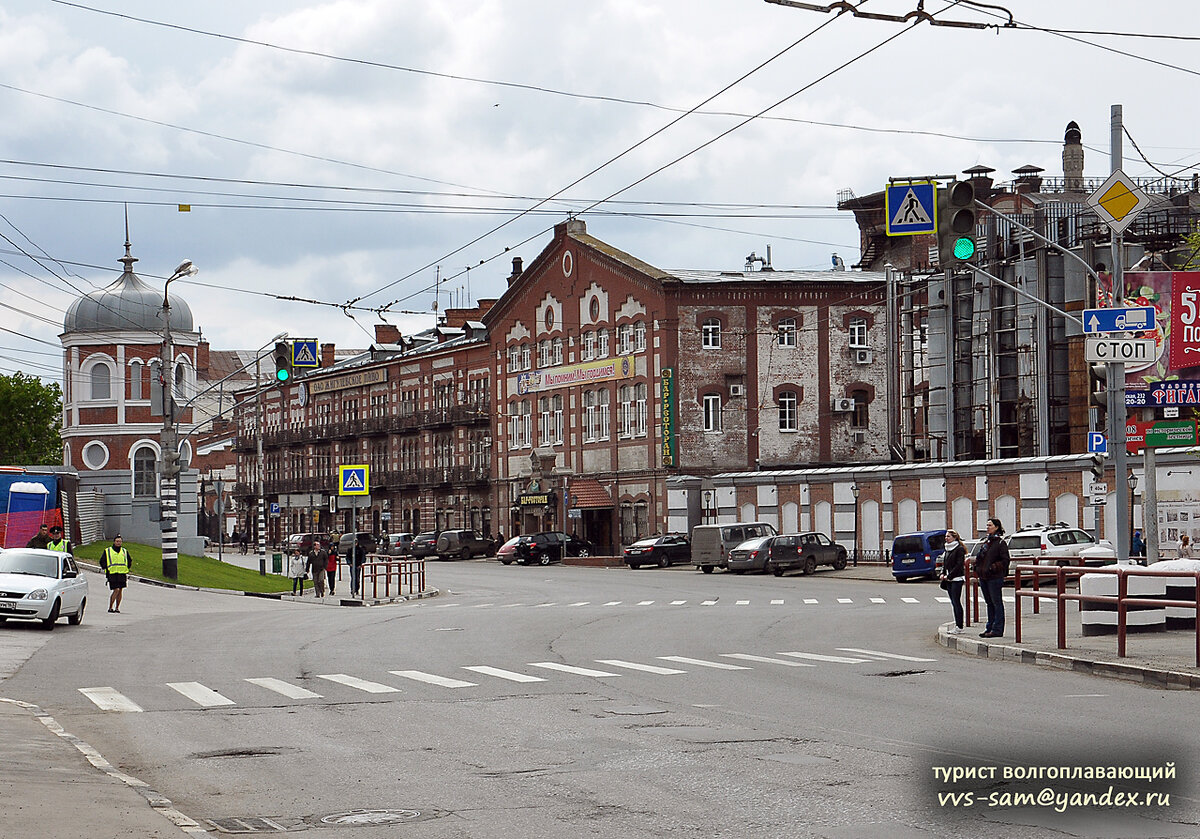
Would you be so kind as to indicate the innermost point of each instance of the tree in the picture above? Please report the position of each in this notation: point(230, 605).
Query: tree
point(1191, 249)
point(30, 417)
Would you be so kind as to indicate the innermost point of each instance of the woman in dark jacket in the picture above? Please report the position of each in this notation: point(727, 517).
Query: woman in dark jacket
point(954, 575)
point(992, 567)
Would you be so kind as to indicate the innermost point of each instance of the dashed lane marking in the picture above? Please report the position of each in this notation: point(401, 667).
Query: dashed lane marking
point(109, 699)
point(287, 689)
point(431, 679)
point(699, 662)
point(645, 668)
point(708, 603)
point(766, 659)
point(567, 668)
point(503, 674)
point(204, 696)
point(613, 603)
point(884, 655)
point(844, 600)
point(776, 602)
point(910, 600)
point(811, 601)
point(678, 602)
point(581, 603)
point(834, 659)
point(359, 684)
point(646, 603)
point(878, 600)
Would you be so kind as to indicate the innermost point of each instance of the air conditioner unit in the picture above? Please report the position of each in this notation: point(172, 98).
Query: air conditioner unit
point(737, 390)
point(860, 436)
point(864, 356)
point(843, 404)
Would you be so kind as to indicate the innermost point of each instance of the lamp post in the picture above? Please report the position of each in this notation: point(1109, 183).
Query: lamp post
point(854, 490)
point(258, 433)
point(708, 496)
point(169, 442)
point(1132, 486)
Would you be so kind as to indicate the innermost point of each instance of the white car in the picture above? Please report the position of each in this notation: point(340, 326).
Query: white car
point(1058, 544)
point(41, 585)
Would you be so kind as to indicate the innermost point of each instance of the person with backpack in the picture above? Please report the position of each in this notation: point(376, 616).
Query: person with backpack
point(991, 566)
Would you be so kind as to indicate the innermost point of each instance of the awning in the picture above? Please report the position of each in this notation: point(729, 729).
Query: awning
point(588, 493)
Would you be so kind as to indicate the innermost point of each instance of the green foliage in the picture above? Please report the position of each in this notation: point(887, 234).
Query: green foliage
point(197, 571)
point(30, 417)
point(1191, 244)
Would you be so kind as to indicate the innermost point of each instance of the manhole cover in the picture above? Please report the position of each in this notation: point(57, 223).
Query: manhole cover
point(372, 817)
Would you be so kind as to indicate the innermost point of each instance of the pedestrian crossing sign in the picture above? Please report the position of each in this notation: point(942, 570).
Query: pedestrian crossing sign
point(304, 354)
point(354, 480)
point(910, 209)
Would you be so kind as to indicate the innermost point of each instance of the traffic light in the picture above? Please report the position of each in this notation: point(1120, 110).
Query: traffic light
point(283, 361)
point(956, 223)
point(1097, 467)
point(1098, 377)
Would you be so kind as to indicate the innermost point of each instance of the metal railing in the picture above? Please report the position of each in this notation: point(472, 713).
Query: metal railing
point(1121, 600)
point(409, 576)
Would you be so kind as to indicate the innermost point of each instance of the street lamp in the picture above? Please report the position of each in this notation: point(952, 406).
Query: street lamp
point(708, 496)
point(1132, 486)
point(170, 444)
point(854, 490)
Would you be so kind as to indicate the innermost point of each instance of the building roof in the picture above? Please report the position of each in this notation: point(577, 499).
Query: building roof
point(778, 276)
point(128, 304)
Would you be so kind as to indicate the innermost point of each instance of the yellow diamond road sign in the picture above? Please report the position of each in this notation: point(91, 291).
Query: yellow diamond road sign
point(1118, 201)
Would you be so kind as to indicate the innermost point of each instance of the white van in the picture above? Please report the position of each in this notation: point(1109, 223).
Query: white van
point(711, 543)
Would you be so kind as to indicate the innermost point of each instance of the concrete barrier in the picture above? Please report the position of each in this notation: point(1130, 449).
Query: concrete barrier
point(1101, 618)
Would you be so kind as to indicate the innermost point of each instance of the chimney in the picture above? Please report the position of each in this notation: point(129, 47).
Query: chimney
point(385, 333)
point(1029, 178)
point(570, 227)
point(202, 360)
point(1072, 157)
point(328, 359)
point(516, 272)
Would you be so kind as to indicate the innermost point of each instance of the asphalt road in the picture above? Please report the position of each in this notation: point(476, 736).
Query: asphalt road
point(564, 702)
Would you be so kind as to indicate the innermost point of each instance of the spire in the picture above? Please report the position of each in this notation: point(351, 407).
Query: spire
point(128, 258)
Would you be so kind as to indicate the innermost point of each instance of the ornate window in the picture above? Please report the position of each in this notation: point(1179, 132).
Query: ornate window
point(101, 380)
point(602, 343)
point(145, 473)
point(639, 337)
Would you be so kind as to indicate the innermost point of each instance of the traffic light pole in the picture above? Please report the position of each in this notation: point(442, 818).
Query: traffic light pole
point(1116, 372)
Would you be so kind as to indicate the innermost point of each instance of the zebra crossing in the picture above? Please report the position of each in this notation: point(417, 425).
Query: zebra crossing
point(872, 600)
point(422, 684)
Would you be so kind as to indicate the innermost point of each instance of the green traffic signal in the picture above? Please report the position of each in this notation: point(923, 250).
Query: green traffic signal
point(956, 219)
point(282, 375)
point(283, 361)
point(964, 247)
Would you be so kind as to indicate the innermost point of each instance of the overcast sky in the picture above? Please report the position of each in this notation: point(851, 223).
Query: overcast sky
point(422, 131)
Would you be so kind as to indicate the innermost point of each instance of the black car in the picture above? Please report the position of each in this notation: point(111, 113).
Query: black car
point(804, 552)
point(659, 550)
point(424, 545)
point(464, 544)
point(544, 548)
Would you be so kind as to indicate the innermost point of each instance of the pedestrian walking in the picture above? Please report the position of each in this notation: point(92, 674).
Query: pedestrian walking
point(58, 542)
point(954, 576)
point(1137, 545)
point(357, 557)
point(1185, 547)
point(40, 539)
point(296, 566)
point(991, 566)
point(116, 563)
point(318, 559)
point(331, 565)
point(244, 539)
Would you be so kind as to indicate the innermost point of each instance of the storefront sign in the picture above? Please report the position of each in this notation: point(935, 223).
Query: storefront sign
point(364, 377)
point(584, 373)
point(670, 442)
point(535, 499)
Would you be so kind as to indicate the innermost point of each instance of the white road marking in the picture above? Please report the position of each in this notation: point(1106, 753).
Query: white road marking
point(511, 605)
point(844, 600)
point(289, 690)
point(503, 674)
point(708, 603)
point(742, 603)
point(359, 684)
point(779, 602)
point(835, 659)
point(878, 600)
point(884, 655)
point(646, 603)
point(645, 668)
point(718, 665)
point(766, 660)
point(567, 668)
point(613, 603)
point(108, 699)
point(447, 605)
point(581, 603)
point(911, 600)
point(544, 605)
point(811, 601)
point(678, 602)
point(942, 599)
point(429, 678)
point(201, 695)
point(482, 605)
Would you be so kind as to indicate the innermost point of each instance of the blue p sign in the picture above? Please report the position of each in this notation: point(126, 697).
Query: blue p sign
point(1097, 442)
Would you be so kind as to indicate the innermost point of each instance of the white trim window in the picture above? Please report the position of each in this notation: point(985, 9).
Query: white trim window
point(710, 334)
point(136, 373)
point(624, 411)
point(639, 337)
point(639, 409)
point(514, 359)
point(545, 419)
point(604, 418)
point(858, 333)
point(589, 345)
point(788, 411)
point(589, 416)
point(145, 473)
point(787, 332)
point(601, 343)
point(525, 360)
point(543, 353)
point(557, 406)
point(556, 351)
point(711, 403)
point(100, 378)
point(625, 339)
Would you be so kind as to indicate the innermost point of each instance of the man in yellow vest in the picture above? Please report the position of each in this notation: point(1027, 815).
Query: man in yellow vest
point(116, 563)
point(58, 542)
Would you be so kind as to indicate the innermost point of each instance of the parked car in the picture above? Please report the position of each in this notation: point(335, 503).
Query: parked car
point(464, 544)
point(424, 545)
point(918, 554)
point(41, 585)
point(659, 550)
point(751, 555)
point(348, 539)
point(711, 543)
point(1058, 544)
point(507, 552)
point(396, 544)
point(303, 542)
point(804, 552)
point(544, 548)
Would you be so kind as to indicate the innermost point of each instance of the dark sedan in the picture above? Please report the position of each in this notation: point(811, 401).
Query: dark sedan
point(804, 552)
point(424, 545)
point(544, 548)
point(659, 550)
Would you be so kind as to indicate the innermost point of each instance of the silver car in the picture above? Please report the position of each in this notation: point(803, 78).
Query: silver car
point(41, 585)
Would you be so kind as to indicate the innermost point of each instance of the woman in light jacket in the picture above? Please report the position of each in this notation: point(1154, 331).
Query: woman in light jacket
point(953, 573)
point(298, 570)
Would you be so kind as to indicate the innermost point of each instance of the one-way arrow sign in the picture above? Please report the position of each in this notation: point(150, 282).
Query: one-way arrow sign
point(1137, 319)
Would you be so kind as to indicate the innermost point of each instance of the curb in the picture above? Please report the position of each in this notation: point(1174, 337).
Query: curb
point(1149, 676)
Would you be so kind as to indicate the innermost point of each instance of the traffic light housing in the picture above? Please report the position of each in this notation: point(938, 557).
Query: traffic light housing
point(956, 223)
point(283, 362)
point(1097, 467)
point(1098, 397)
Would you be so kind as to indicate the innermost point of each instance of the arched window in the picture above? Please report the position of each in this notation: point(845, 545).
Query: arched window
point(180, 382)
point(788, 411)
point(136, 371)
point(145, 473)
point(862, 415)
point(710, 334)
point(639, 337)
point(101, 382)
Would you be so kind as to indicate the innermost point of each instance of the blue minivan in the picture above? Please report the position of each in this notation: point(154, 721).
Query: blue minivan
point(918, 554)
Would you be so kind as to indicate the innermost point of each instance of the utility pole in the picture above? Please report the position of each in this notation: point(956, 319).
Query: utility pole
point(168, 439)
point(1116, 372)
point(262, 491)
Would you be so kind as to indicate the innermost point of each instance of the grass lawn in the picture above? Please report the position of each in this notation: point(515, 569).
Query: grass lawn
point(199, 571)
